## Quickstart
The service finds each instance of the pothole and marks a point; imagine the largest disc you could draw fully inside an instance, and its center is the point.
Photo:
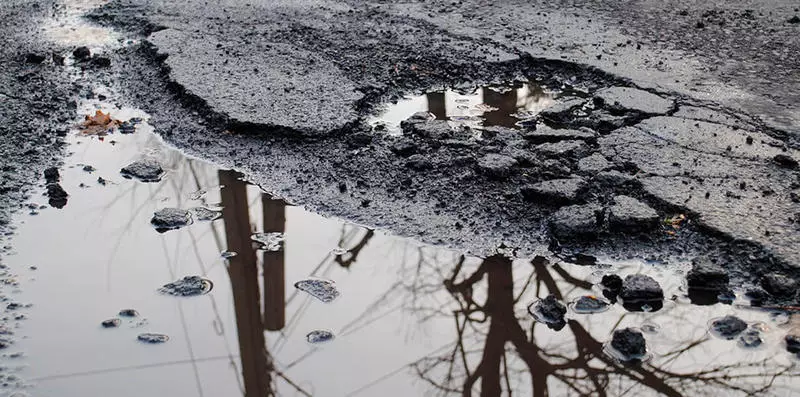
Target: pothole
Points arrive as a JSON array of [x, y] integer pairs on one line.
[[507, 105]]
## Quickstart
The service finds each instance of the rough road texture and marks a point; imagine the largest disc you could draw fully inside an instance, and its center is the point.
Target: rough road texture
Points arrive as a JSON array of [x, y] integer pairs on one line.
[[290, 83], [35, 105]]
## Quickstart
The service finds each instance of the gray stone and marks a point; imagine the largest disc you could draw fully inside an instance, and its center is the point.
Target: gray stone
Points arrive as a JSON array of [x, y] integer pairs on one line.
[[630, 343], [707, 275], [728, 327], [779, 285], [792, 343], [170, 218], [496, 166], [625, 99], [152, 338], [640, 288], [629, 215], [146, 170], [549, 311], [594, 164], [562, 112], [613, 178], [187, 286], [563, 148], [543, 134], [575, 221], [419, 162], [432, 129], [324, 290], [554, 191]]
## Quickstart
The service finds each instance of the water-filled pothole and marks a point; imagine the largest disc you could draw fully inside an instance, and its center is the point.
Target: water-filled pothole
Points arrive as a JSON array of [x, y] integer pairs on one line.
[[491, 105]]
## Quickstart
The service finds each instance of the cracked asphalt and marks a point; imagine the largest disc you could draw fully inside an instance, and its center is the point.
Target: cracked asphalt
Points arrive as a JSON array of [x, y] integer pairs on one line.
[[282, 90]]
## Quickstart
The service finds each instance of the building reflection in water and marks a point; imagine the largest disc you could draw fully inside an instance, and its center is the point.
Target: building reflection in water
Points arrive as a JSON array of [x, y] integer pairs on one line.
[[492, 352]]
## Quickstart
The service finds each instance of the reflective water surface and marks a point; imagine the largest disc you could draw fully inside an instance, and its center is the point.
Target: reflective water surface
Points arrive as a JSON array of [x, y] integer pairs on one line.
[[408, 319], [375, 314], [474, 107]]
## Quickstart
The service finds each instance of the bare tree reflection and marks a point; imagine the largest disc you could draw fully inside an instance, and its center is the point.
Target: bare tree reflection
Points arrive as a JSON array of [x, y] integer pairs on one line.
[[494, 352]]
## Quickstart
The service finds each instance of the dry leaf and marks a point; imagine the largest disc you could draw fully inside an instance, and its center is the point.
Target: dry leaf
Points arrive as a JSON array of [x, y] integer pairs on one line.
[[99, 124]]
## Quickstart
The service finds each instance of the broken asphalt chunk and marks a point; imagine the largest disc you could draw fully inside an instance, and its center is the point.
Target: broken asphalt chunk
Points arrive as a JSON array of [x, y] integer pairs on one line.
[[324, 290]]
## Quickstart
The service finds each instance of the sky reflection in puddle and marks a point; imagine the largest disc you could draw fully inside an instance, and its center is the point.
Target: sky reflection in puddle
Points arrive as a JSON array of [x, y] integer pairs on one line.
[[411, 319]]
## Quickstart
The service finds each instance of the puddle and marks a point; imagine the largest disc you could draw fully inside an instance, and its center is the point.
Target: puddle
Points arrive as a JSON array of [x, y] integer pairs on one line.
[[407, 318], [307, 305], [484, 106], [71, 29]]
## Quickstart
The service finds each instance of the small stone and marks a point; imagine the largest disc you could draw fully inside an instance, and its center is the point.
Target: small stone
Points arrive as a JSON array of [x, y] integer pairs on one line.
[[545, 134], [419, 162], [102, 62], [324, 290], [639, 290], [34, 58], [554, 191], [728, 327], [792, 343], [167, 219], [57, 194], [203, 214], [630, 215], [594, 164], [612, 282], [51, 175], [549, 311], [405, 148], [785, 161], [82, 53], [630, 343], [496, 166], [89, 168], [590, 304], [561, 149], [128, 313], [146, 170], [751, 338], [562, 112], [707, 275], [152, 338], [319, 336], [779, 285], [613, 178], [111, 323], [187, 286], [431, 130], [794, 20], [575, 221], [270, 242]]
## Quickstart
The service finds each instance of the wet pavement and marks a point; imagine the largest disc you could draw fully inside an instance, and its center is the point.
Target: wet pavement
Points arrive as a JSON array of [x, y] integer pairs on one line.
[[136, 261], [337, 309]]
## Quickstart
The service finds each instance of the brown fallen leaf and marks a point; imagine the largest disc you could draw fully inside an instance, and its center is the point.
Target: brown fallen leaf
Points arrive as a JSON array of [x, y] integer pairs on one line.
[[99, 124]]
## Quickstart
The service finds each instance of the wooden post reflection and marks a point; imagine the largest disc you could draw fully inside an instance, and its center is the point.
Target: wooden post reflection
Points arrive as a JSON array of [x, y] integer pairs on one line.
[[274, 266], [243, 271], [506, 103], [436, 105]]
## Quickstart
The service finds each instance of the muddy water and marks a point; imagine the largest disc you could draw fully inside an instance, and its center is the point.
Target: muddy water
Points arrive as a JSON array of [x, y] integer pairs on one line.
[[494, 105], [409, 319]]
